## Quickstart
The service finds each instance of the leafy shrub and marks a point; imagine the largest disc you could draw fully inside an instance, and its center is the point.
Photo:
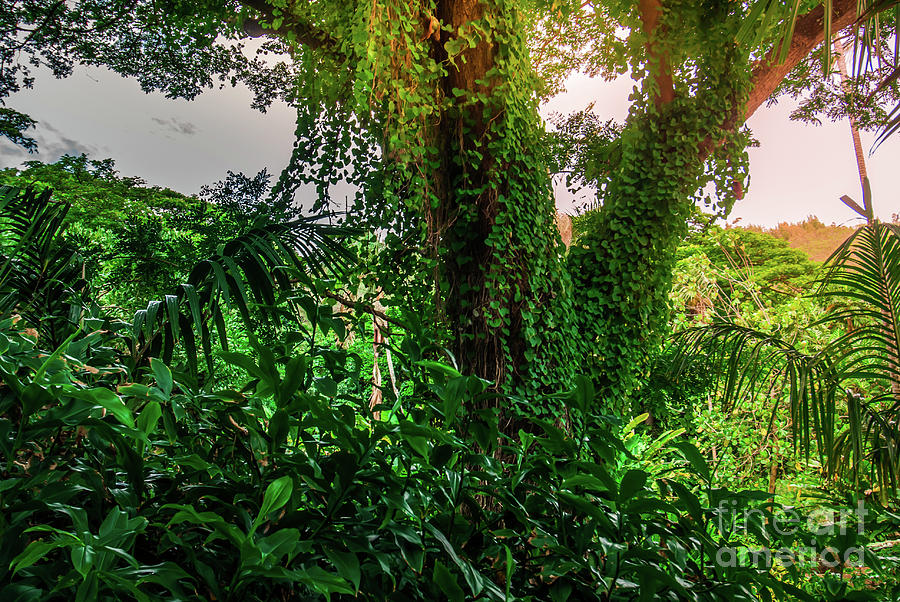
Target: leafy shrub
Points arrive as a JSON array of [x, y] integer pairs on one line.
[[119, 485]]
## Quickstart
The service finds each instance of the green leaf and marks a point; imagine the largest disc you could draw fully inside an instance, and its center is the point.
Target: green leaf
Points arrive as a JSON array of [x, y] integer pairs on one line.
[[277, 495], [134, 390], [149, 417], [437, 368], [242, 361], [278, 427], [629, 428], [447, 583], [326, 386], [416, 436], [109, 401], [37, 550], [347, 565], [82, 559], [583, 395], [163, 376], [632, 483], [294, 375], [690, 501], [324, 582], [282, 542], [693, 455]]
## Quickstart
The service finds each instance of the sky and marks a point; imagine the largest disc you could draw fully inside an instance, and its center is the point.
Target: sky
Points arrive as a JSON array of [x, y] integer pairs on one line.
[[797, 171]]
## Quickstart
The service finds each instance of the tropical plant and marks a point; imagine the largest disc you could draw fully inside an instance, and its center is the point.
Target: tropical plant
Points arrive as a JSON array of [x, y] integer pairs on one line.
[[843, 396], [429, 110], [157, 489], [131, 479], [40, 278], [138, 242], [252, 274]]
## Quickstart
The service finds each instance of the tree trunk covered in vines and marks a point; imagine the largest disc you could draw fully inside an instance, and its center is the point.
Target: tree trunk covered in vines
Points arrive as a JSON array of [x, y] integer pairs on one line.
[[622, 271], [504, 289], [450, 84]]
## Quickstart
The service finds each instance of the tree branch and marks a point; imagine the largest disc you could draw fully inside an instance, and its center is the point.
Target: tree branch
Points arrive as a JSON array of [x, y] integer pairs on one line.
[[809, 33], [768, 72], [650, 11], [364, 307], [306, 33]]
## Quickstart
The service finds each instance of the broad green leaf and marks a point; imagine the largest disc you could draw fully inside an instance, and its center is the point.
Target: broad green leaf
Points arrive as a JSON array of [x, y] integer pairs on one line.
[[632, 483], [163, 376], [278, 427], [583, 394], [277, 495], [439, 368], [693, 455], [149, 417], [37, 550], [447, 583], [347, 565], [326, 386], [109, 401], [629, 428]]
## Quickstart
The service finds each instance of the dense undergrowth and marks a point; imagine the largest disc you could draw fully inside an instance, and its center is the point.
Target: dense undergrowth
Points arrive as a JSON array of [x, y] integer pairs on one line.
[[142, 484], [267, 473]]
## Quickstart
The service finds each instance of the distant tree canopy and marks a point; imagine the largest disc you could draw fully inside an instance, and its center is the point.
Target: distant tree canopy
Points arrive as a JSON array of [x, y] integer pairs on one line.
[[430, 110], [811, 236], [137, 241]]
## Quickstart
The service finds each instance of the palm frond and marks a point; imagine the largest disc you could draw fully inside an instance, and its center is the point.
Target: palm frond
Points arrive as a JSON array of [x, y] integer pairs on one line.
[[40, 278], [246, 274], [850, 428]]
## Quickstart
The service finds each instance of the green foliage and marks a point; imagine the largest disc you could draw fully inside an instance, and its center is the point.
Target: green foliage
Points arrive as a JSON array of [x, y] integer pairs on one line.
[[244, 202], [747, 276], [13, 126], [853, 372], [674, 401], [584, 149], [132, 479], [622, 268], [40, 278], [440, 135], [130, 472], [753, 280], [136, 242], [138, 484]]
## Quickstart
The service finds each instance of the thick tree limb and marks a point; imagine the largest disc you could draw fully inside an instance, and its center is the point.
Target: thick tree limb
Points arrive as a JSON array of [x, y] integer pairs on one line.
[[650, 11], [769, 72], [809, 33]]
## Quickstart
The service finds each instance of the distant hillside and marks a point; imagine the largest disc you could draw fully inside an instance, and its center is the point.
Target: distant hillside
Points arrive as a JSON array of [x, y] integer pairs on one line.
[[810, 236]]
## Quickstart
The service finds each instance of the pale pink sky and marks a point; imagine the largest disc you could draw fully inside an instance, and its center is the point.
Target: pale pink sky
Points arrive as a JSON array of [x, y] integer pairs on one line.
[[798, 170]]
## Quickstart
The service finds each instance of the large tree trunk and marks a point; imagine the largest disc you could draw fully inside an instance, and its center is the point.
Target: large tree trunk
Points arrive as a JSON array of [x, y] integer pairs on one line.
[[622, 273], [505, 290]]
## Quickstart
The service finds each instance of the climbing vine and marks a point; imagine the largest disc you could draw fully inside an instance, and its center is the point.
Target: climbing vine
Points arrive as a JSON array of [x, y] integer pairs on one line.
[[429, 112], [445, 159], [669, 152]]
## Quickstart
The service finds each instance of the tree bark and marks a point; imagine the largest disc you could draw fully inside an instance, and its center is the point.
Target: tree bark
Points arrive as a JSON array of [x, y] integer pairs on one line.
[[494, 223], [809, 33]]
